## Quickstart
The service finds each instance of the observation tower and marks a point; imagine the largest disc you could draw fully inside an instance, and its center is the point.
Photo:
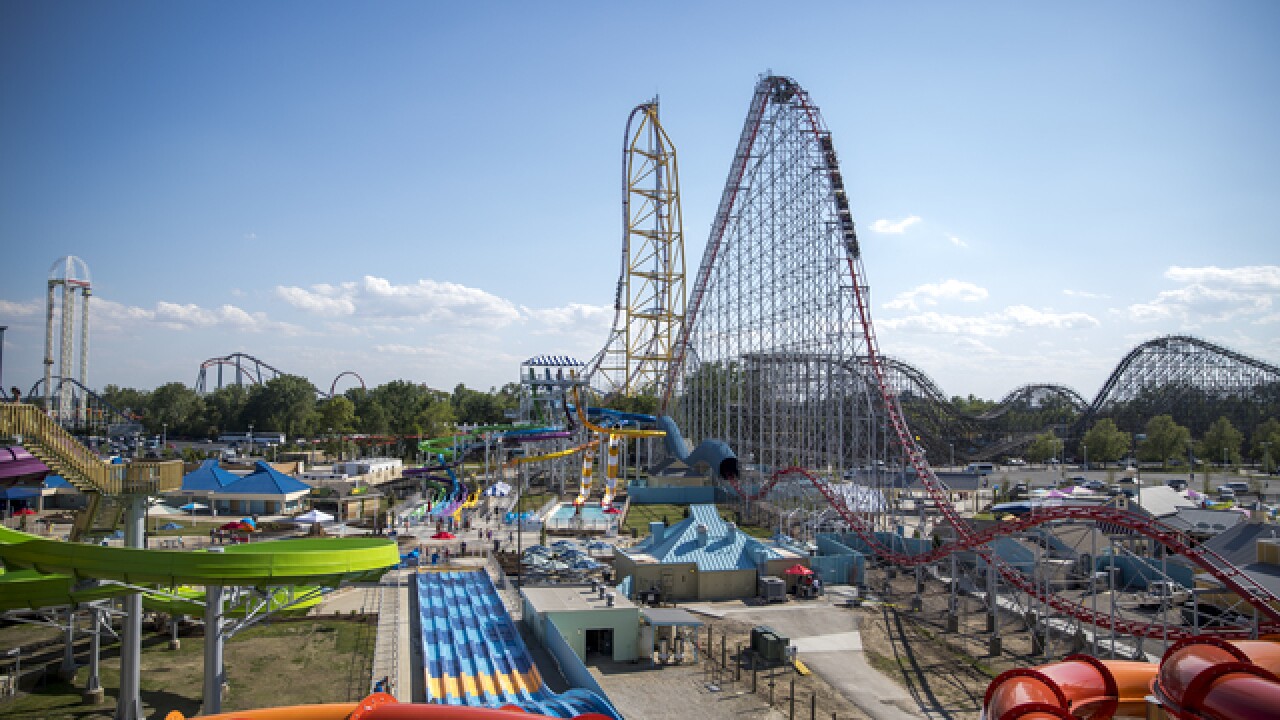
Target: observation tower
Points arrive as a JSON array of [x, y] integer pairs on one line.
[[68, 280]]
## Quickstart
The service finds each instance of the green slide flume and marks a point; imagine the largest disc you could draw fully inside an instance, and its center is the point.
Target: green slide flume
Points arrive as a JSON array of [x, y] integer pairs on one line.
[[304, 561]]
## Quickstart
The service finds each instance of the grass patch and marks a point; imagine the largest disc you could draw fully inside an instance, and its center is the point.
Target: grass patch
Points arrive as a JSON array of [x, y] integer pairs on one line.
[[882, 663], [326, 661], [639, 517]]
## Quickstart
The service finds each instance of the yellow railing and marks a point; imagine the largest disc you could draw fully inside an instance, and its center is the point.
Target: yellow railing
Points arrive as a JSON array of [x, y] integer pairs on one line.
[[55, 447]]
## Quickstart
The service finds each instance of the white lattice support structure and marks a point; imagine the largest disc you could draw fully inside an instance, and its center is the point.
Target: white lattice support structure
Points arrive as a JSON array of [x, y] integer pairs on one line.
[[770, 361]]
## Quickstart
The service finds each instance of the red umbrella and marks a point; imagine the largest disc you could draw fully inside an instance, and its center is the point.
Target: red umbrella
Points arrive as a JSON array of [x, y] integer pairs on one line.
[[26, 511], [442, 535], [611, 510], [237, 525], [798, 569]]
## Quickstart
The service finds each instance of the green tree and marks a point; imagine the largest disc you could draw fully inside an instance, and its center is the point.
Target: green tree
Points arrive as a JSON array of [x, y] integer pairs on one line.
[[127, 400], [1106, 442], [1222, 442], [1266, 443], [1165, 439], [437, 419], [373, 419], [1043, 447], [337, 414], [177, 406], [282, 404], [224, 410]]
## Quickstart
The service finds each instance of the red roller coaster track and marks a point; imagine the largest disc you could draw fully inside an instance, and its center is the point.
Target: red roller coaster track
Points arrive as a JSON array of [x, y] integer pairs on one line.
[[967, 538]]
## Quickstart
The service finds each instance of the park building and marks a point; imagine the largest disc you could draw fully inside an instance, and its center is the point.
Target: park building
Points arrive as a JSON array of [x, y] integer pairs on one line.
[[703, 557]]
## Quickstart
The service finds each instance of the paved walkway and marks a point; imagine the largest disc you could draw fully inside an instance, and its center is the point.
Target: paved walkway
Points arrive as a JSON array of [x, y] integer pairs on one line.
[[828, 642]]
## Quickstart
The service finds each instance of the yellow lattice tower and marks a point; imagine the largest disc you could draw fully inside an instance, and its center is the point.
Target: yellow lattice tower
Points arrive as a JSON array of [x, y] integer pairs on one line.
[[650, 303]]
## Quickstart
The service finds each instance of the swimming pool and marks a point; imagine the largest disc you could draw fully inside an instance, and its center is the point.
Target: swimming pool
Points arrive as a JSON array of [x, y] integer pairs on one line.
[[591, 519], [590, 511]]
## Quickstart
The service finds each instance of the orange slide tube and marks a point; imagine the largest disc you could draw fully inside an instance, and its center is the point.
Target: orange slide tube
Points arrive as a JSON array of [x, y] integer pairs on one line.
[[1079, 686], [1206, 677]]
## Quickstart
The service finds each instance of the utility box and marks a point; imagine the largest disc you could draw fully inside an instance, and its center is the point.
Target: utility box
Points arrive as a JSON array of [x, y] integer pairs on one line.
[[772, 589], [769, 645]]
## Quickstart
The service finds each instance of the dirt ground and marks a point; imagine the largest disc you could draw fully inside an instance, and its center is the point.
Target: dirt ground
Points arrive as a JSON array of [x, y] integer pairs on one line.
[[946, 674], [282, 663]]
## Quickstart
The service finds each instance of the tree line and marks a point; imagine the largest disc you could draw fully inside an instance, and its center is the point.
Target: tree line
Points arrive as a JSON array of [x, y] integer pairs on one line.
[[1164, 441], [291, 405]]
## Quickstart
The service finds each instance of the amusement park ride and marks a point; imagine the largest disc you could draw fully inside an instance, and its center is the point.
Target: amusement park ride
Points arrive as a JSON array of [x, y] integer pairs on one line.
[[774, 366]]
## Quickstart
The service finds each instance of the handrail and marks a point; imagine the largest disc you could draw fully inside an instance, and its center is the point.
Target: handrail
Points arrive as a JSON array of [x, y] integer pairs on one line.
[[81, 467]]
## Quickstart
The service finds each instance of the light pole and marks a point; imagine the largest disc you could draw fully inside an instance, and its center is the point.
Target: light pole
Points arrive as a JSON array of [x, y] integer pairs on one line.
[[251, 439], [164, 438], [952, 448], [16, 654]]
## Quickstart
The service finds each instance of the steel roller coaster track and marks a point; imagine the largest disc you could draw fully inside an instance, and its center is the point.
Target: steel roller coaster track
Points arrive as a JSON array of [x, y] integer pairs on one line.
[[248, 367], [721, 335]]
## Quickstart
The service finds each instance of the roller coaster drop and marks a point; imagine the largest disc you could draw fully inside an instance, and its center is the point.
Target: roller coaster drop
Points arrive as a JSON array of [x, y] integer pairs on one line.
[[767, 362]]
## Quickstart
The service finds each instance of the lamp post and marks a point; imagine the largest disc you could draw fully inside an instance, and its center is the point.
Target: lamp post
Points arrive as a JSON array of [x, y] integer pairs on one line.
[[16, 654], [164, 438], [250, 439], [952, 447]]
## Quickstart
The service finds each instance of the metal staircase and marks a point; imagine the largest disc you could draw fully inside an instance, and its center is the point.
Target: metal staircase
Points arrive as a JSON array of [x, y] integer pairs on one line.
[[80, 466]]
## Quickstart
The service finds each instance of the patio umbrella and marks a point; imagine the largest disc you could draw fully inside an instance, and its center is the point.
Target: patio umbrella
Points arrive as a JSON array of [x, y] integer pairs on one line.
[[611, 510], [443, 535], [249, 522], [194, 506], [171, 526], [798, 569], [26, 511]]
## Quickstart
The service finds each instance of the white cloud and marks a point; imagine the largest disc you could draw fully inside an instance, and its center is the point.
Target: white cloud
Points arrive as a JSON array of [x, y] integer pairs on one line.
[[113, 316], [1194, 305], [932, 293], [415, 350], [957, 242], [1212, 295], [1252, 276], [1085, 294], [1031, 318], [322, 300], [891, 227], [990, 325], [30, 308]]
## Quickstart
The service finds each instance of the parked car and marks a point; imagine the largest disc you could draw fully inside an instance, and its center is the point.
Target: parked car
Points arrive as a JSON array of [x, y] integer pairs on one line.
[[1177, 484], [1096, 485], [1226, 493]]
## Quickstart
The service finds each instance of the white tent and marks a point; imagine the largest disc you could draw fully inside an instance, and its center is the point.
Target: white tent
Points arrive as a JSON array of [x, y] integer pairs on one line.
[[498, 489], [312, 517]]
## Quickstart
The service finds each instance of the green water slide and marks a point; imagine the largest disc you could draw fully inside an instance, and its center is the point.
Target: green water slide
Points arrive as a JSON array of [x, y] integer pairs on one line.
[[305, 561]]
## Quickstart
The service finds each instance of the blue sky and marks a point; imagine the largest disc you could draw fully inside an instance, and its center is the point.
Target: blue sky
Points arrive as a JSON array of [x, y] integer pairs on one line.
[[430, 191]]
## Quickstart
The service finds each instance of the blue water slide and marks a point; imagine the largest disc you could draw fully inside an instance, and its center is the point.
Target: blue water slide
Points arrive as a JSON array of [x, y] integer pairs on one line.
[[715, 453], [466, 631]]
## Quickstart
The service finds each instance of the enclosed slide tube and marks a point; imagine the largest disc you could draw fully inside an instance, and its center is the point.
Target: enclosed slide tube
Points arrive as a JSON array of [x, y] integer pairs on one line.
[[1081, 686], [715, 453], [1205, 677], [1199, 677]]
